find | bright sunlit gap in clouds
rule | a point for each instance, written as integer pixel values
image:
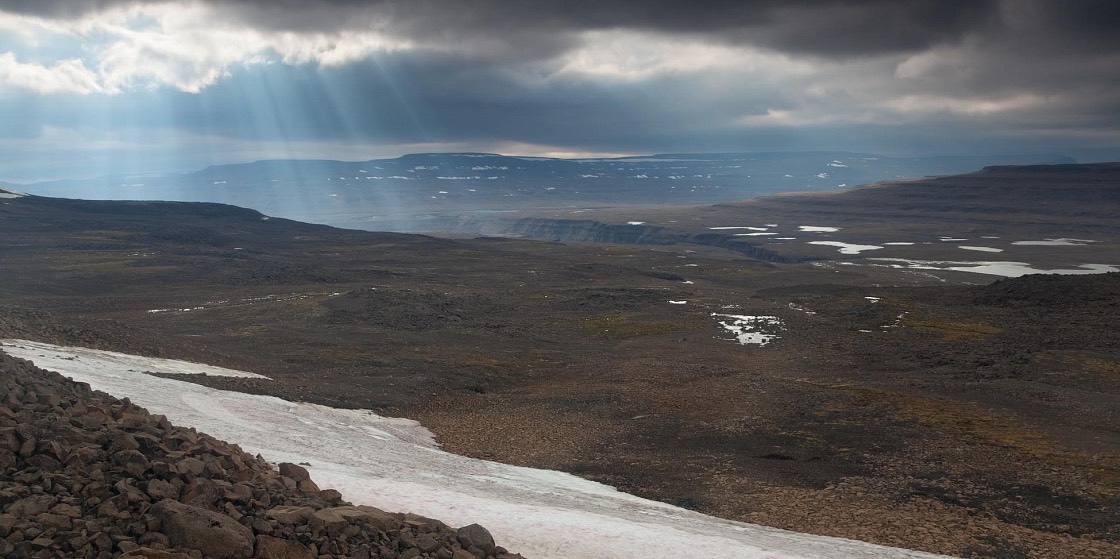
(136, 86)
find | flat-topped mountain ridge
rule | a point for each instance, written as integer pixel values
(422, 191)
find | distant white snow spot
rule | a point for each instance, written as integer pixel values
(980, 249)
(678, 302)
(817, 229)
(1004, 269)
(846, 248)
(1063, 242)
(635, 223)
(898, 244)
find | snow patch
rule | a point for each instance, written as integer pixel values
(748, 329)
(50, 356)
(1063, 242)
(1004, 269)
(846, 248)
(817, 229)
(635, 223)
(980, 249)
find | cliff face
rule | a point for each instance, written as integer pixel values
(596, 232)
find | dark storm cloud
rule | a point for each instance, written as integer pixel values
(828, 28)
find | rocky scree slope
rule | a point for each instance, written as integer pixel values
(83, 474)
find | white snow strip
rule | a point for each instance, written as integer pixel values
(393, 464)
(48, 356)
(950, 239)
(846, 248)
(873, 299)
(635, 223)
(1005, 269)
(5, 193)
(678, 302)
(747, 228)
(817, 229)
(898, 244)
(748, 329)
(980, 249)
(1063, 242)
(756, 234)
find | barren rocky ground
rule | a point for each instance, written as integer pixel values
(894, 407)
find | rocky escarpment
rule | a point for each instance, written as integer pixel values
(589, 231)
(83, 474)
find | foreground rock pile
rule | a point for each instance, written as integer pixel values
(83, 474)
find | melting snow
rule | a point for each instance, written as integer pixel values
(981, 249)
(846, 248)
(5, 193)
(635, 223)
(1063, 242)
(817, 229)
(750, 329)
(1005, 269)
(393, 464)
(898, 244)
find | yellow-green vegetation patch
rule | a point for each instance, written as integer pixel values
(972, 424)
(1096, 365)
(953, 330)
(104, 235)
(621, 325)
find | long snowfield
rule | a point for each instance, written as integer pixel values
(394, 464)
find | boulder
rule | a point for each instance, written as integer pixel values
(214, 534)
(474, 535)
(296, 472)
(269, 547)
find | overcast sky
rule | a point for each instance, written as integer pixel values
(89, 88)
